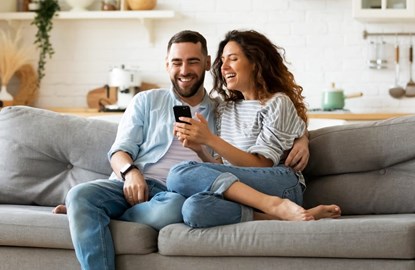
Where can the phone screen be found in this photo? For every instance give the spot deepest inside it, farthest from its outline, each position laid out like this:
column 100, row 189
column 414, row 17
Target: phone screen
column 182, row 111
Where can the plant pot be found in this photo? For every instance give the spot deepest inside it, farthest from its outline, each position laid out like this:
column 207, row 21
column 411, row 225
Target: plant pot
column 141, row 4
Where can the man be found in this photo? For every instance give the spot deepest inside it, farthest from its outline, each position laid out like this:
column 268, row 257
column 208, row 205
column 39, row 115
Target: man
column 143, row 152
column 141, row 156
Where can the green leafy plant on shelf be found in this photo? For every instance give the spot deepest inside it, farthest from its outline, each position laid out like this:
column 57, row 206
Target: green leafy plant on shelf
column 43, row 22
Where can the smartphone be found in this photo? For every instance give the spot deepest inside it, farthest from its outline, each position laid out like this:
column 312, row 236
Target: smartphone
column 180, row 111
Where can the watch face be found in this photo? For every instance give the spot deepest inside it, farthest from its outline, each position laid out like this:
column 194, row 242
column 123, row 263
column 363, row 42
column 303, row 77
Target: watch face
column 125, row 168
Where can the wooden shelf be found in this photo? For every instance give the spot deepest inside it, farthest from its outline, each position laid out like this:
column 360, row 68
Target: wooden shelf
column 146, row 17
column 90, row 15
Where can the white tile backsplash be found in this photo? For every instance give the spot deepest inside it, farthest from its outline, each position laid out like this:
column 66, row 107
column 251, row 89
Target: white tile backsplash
column 323, row 43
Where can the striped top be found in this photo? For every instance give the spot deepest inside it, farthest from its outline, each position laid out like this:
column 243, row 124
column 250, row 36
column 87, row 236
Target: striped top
column 268, row 130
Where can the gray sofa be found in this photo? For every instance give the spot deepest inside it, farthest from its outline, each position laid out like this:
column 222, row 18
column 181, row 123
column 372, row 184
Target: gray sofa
column 368, row 169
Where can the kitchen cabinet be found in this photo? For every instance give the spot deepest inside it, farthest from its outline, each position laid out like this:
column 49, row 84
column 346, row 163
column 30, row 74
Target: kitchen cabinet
column 383, row 10
column 145, row 17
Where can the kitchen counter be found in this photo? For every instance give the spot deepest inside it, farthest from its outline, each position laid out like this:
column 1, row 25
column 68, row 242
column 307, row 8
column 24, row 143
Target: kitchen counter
column 84, row 112
column 348, row 116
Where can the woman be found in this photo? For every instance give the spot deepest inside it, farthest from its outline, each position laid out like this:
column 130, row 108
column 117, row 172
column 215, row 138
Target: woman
column 262, row 115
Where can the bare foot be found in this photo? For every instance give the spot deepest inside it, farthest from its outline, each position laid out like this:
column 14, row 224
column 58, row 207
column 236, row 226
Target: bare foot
column 285, row 209
column 325, row 211
column 60, row 209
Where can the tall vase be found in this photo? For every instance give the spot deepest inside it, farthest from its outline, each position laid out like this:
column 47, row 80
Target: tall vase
column 5, row 98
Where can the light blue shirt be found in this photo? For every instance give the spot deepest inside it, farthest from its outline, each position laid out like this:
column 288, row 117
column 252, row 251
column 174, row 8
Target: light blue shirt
column 146, row 128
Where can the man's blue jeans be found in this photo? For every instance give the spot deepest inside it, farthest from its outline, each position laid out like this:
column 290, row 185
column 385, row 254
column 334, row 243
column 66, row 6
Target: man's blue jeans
column 91, row 205
column 203, row 184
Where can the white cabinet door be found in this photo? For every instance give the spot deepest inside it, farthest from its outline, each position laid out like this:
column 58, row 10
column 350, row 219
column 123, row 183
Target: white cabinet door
column 384, row 10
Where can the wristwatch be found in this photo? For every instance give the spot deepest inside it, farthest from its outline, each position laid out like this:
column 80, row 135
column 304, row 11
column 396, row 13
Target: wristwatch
column 126, row 168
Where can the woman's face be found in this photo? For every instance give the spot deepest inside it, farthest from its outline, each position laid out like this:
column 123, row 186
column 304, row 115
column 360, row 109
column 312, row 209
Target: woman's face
column 237, row 70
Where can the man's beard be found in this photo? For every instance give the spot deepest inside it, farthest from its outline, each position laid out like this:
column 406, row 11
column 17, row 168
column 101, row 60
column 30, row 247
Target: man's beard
column 192, row 91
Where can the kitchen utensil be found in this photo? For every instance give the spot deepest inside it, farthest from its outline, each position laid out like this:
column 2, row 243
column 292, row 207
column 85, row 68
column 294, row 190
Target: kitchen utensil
column 377, row 58
column 396, row 90
column 410, row 86
column 102, row 96
column 126, row 81
column 334, row 98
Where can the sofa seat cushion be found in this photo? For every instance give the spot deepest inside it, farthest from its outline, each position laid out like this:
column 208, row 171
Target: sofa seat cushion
column 36, row 226
column 45, row 153
column 375, row 236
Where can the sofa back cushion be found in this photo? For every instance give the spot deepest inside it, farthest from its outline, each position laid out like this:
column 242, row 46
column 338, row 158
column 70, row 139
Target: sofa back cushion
column 366, row 168
column 43, row 154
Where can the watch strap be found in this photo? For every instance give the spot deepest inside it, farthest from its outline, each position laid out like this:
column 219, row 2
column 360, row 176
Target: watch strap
column 125, row 169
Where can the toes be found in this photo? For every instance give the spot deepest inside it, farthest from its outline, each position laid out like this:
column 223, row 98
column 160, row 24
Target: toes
column 60, row 209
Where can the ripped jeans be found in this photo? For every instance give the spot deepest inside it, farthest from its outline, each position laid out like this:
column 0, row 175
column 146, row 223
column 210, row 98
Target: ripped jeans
column 203, row 185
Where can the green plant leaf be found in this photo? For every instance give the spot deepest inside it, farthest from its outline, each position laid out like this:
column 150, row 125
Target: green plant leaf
column 44, row 23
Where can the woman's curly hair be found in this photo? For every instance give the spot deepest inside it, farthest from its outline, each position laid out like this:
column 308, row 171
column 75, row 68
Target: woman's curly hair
column 270, row 73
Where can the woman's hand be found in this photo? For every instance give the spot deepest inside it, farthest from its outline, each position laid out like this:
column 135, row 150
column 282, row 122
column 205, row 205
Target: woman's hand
column 299, row 154
column 193, row 135
column 196, row 147
column 195, row 131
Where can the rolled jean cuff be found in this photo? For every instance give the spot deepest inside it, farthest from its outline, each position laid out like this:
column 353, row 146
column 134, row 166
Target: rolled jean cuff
column 247, row 213
column 223, row 182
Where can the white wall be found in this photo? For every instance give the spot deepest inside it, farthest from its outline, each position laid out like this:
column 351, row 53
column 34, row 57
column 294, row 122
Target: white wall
column 322, row 40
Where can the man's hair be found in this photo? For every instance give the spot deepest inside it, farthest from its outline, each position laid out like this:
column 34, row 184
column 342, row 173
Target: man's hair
column 189, row 36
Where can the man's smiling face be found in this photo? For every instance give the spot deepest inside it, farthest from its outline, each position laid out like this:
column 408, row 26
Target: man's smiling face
column 186, row 65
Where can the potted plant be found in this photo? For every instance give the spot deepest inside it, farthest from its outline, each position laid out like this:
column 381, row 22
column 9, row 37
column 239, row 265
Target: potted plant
column 43, row 22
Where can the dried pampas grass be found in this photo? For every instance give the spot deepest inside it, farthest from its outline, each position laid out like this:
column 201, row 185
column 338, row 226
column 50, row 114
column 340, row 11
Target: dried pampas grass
column 13, row 54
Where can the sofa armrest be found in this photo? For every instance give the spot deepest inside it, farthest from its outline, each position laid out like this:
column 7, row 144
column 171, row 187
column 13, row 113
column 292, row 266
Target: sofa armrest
column 43, row 154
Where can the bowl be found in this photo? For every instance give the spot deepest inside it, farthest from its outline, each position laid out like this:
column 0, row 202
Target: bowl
column 79, row 5
column 141, row 4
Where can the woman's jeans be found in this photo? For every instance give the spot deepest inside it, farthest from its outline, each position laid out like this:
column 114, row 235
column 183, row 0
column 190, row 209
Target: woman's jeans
column 203, row 184
column 92, row 205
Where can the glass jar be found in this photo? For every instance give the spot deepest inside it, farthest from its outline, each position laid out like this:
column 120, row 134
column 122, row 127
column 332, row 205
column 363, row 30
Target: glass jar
column 22, row 5
column 109, row 5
